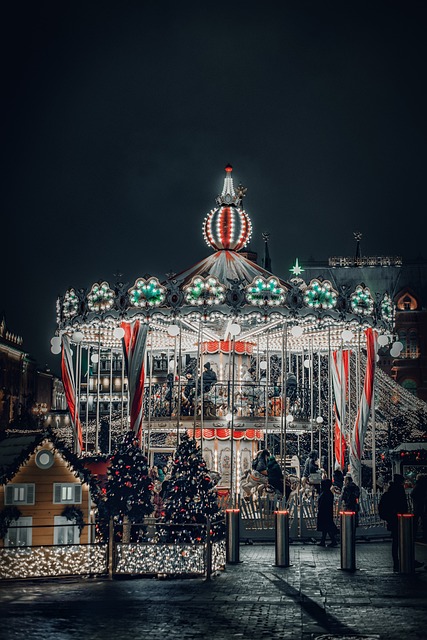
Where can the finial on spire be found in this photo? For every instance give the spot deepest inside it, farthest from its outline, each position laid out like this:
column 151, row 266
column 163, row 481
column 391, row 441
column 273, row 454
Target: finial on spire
column 228, row 195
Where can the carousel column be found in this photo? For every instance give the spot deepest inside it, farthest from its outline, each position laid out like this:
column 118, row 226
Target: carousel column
column 330, row 406
column 232, row 421
column 150, row 379
column 98, row 384
column 202, row 398
column 179, row 381
column 87, row 396
column 196, row 391
column 111, row 400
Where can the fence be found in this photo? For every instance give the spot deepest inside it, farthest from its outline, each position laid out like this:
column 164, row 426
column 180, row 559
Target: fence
column 257, row 517
column 147, row 554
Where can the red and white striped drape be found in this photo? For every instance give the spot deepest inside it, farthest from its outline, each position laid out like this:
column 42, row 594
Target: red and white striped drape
column 340, row 363
column 361, row 423
column 68, row 381
column 134, row 344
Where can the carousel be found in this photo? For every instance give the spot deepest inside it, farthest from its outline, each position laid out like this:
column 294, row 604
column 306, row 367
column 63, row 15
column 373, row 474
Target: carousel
column 227, row 351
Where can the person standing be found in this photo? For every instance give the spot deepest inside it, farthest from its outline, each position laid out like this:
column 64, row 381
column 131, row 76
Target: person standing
column 350, row 497
column 393, row 501
column 325, row 514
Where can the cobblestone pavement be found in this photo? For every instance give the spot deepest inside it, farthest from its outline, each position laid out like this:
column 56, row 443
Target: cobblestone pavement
column 253, row 599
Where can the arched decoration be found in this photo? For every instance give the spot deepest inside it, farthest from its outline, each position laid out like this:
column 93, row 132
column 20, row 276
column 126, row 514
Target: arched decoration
column 147, row 293
column 204, row 291
column 320, row 295
column 223, row 433
column 263, row 291
column 407, row 302
column 361, row 301
column 226, row 346
column 387, row 308
column 70, row 305
column 100, row 297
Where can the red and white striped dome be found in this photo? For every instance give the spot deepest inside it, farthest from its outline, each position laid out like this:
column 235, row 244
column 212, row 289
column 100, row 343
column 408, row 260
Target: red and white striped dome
column 228, row 226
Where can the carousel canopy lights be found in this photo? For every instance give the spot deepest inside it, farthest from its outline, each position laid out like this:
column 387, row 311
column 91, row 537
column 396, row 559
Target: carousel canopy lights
column 100, row 297
column 320, row 295
column 361, row 301
column 147, row 293
column 204, row 291
column 265, row 292
column 173, row 330
column 70, row 306
column 297, row 331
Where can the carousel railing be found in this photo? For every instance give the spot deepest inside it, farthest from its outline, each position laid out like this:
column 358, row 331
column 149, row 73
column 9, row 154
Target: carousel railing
column 249, row 400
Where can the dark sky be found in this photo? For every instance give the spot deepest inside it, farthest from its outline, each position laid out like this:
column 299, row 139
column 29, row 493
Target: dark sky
column 120, row 117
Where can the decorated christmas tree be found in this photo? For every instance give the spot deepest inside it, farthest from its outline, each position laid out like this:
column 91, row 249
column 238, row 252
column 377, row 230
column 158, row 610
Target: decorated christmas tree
column 190, row 498
column 129, row 487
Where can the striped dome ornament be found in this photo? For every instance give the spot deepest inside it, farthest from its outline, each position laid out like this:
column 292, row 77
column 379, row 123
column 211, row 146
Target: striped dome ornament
column 228, row 226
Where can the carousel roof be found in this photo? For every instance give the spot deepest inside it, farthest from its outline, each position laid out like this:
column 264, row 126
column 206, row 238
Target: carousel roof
column 227, row 266
column 223, row 288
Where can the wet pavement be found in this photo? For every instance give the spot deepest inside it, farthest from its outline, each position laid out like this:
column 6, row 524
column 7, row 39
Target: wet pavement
column 253, row 599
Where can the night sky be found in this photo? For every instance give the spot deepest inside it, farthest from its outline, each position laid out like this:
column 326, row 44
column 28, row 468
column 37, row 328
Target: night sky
column 120, row 118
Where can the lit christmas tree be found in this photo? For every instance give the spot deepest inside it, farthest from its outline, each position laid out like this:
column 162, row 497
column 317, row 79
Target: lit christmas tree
column 129, row 487
column 190, row 498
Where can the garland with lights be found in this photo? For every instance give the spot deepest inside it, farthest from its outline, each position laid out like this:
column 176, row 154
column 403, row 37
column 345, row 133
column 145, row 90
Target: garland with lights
column 190, row 499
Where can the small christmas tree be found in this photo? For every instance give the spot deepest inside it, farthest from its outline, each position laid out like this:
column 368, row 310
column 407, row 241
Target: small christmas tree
column 129, row 488
column 190, row 498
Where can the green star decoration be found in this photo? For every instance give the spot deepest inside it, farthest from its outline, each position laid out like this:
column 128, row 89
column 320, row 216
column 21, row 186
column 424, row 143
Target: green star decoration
column 296, row 269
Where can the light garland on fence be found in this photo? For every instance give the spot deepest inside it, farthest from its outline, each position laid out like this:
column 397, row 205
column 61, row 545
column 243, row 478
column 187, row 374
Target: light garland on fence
column 387, row 308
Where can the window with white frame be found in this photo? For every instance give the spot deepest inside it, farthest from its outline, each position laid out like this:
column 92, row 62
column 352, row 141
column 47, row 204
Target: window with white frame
column 67, row 493
column 65, row 531
column 19, row 533
column 19, row 494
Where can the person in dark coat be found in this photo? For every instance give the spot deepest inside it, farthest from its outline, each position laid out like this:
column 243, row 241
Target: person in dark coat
column 208, row 378
column 338, row 479
column 275, row 476
column 398, row 504
column 325, row 514
column 350, row 497
column 311, row 466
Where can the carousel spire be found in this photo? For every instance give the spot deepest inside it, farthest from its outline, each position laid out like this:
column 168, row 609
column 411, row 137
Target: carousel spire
column 228, row 195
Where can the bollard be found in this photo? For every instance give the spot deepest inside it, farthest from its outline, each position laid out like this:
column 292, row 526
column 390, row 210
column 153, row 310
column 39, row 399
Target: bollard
column 405, row 529
column 348, row 540
column 233, row 536
column 282, row 538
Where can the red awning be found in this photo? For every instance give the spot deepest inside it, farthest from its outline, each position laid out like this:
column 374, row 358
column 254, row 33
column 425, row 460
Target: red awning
column 225, row 346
